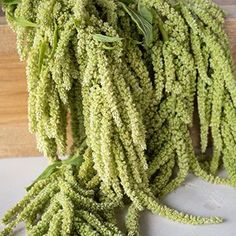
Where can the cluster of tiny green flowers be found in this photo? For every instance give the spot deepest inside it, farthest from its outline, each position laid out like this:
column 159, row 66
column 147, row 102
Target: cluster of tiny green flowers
column 216, row 80
column 52, row 206
column 129, row 106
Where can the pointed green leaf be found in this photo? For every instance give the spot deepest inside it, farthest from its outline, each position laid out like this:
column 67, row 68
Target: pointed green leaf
column 55, row 41
column 42, row 53
column 145, row 12
column 106, row 39
column 144, row 25
column 160, row 23
column 10, row 2
column 24, row 23
column 46, row 173
column 74, row 160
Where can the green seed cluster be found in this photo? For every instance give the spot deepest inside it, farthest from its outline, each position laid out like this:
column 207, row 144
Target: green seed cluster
column 130, row 106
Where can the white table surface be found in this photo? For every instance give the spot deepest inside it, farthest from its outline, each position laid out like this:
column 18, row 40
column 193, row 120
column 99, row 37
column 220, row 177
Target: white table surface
column 196, row 197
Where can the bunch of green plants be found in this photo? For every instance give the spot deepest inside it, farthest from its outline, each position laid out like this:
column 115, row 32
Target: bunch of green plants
column 126, row 76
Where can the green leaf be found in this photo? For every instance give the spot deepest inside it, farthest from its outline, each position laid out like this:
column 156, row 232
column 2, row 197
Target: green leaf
column 106, row 39
column 144, row 25
column 145, row 12
column 20, row 21
column 160, row 23
column 46, row 173
column 42, row 53
column 55, row 41
column 10, row 2
column 24, row 23
column 74, row 160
